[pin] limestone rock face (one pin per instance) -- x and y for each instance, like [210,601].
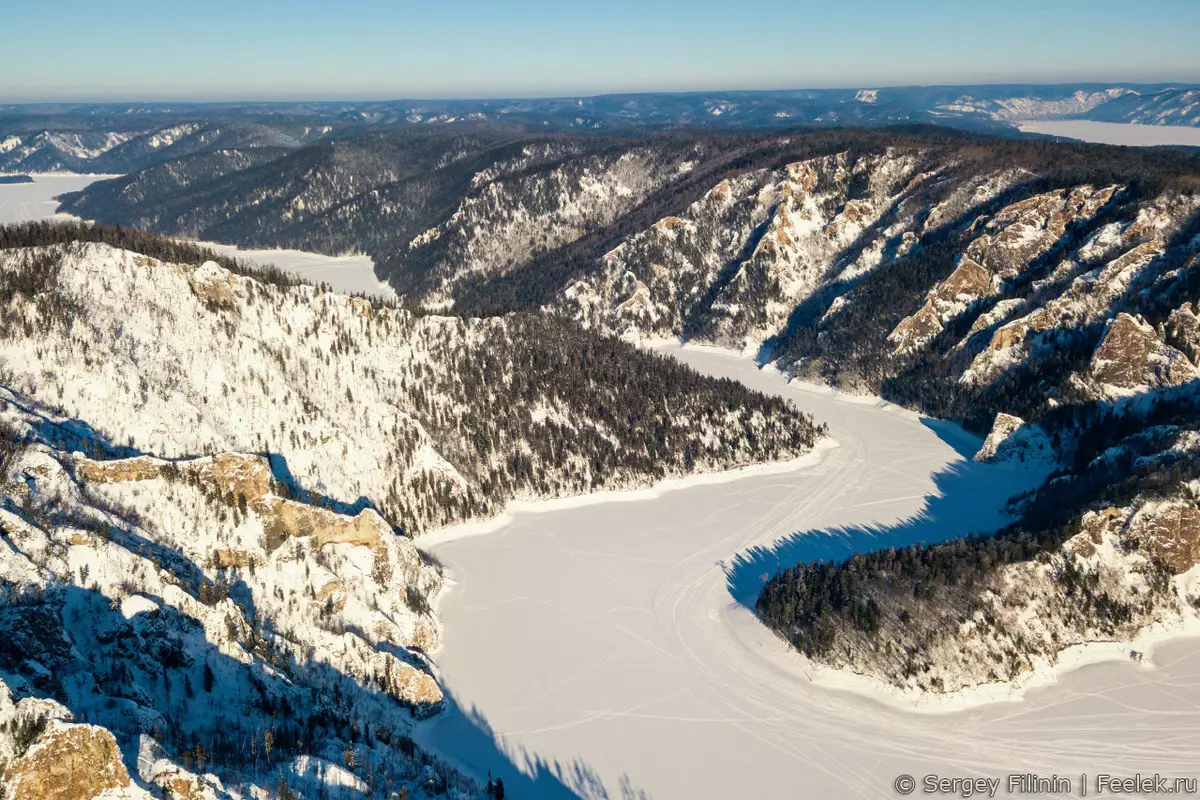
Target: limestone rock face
[1011,241]
[1183,332]
[1131,356]
[70,762]
[1171,531]
[141,468]
[409,685]
[914,331]
[213,283]
[730,267]
[1012,440]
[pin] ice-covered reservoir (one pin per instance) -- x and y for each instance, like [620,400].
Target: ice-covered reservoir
[603,648]
[351,274]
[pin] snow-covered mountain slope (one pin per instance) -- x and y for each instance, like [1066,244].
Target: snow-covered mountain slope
[110,138]
[732,267]
[205,478]
[268,196]
[363,404]
[184,628]
[735,265]
[1031,106]
[1069,318]
[507,219]
[1174,106]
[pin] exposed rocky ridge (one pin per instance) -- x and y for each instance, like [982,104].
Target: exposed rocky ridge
[225,635]
[1010,241]
[69,762]
[508,218]
[1132,357]
[733,266]
[1012,440]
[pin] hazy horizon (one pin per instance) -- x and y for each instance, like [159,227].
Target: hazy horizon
[268,100]
[223,51]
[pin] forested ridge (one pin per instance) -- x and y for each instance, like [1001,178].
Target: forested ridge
[528,405]
[903,596]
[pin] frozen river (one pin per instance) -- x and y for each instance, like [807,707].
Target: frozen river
[604,650]
[1115,132]
[21,202]
[25,202]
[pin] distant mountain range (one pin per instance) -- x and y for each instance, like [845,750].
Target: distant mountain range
[121,137]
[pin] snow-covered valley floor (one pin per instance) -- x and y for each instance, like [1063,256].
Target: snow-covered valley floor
[1115,132]
[22,202]
[604,649]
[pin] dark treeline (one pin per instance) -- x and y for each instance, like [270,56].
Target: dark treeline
[543,407]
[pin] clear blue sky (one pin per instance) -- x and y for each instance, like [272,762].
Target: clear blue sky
[363,49]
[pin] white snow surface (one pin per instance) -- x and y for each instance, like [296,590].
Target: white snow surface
[1114,132]
[348,274]
[602,647]
[24,202]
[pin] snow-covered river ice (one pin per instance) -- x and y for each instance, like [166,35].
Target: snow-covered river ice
[21,202]
[607,649]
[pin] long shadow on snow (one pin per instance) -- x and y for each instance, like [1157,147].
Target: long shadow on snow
[969,497]
[283,474]
[67,434]
[480,750]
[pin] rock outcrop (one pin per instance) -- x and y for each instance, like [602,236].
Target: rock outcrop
[1012,440]
[69,762]
[1012,239]
[1131,356]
